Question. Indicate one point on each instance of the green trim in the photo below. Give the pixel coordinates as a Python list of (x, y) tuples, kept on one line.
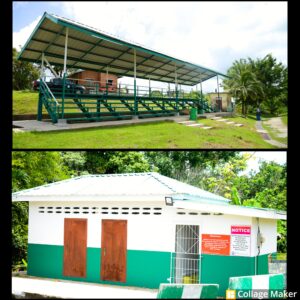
[(262, 264), (51, 18), (219, 268), (144, 268)]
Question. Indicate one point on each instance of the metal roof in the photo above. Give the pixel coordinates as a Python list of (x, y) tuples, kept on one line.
[(140, 187), (92, 49), (109, 187), (238, 210)]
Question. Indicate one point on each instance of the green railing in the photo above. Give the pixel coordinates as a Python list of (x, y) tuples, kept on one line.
[(48, 99), (94, 101)]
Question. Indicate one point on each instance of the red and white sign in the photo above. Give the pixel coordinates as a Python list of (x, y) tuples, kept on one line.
[(240, 229), (216, 244), (240, 240)]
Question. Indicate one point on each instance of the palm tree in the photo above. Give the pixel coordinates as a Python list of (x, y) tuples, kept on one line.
[(243, 84)]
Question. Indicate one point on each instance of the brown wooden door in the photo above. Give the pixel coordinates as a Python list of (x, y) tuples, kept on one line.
[(75, 244), (113, 250)]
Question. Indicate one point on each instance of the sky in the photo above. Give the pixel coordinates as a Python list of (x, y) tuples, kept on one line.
[(279, 157), (211, 34)]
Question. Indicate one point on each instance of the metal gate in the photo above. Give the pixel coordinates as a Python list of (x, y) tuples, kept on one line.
[(185, 261)]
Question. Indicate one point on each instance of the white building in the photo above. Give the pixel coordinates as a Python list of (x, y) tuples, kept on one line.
[(143, 229)]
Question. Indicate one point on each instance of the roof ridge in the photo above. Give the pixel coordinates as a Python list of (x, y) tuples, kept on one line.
[(159, 175)]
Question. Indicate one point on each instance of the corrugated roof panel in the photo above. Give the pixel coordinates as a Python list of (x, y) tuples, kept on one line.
[(83, 38)]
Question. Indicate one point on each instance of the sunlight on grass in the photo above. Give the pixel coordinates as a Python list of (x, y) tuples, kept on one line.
[(151, 136)]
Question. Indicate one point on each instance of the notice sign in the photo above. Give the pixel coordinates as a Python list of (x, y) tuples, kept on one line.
[(215, 244), (240, 240)]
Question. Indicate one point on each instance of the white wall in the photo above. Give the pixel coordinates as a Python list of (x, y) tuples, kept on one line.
[(145, 232), (268, 229)]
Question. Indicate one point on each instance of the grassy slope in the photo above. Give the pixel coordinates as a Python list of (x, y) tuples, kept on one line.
[(25, 102), (158, 135)]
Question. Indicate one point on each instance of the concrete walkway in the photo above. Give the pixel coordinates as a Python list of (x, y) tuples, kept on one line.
[(277, 124), (72, 289), (267, 137), (33, 125)]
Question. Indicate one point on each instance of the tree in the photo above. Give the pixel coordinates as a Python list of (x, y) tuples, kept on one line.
[(273, 78), (243, 85), (186, 165), (23, 73), (101, 162), (30, 169)]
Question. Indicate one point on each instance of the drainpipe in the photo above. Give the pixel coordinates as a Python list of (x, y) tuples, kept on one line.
[(258, 247)]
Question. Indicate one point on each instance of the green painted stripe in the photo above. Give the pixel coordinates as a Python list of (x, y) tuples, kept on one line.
[(226, 266), (144, 268)]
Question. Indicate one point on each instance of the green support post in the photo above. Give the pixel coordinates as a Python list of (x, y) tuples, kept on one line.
[(40, 108), (63, 97), (135, 100), (98, 107), (176, 93)]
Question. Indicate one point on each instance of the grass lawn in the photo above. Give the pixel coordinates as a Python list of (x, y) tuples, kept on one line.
[(25, 102), (151, 136)]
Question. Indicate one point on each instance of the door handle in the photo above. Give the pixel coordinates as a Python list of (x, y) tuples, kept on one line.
[(104, 251)]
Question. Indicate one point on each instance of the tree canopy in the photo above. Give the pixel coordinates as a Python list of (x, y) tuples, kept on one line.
[(23, 73), (258, 83)]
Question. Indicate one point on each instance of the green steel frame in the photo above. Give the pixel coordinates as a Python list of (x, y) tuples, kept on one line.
[(91, 49), (74, 106)]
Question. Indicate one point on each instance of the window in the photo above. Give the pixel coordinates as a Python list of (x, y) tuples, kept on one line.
[(109, 82)]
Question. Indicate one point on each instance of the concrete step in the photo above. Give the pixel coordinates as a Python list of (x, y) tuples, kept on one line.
[(222, 120), (206, 127), (186, 122), (195, 125), (238, 125), (230, 122), (216, 118)]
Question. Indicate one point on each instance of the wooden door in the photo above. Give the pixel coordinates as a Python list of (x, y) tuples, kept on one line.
[(113, 250), (75, 244)]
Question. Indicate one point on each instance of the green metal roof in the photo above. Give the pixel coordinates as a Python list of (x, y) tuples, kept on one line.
[(92, 49)]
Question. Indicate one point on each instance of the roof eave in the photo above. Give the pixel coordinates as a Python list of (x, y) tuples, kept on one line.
[(232, 210), (94, 33)]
